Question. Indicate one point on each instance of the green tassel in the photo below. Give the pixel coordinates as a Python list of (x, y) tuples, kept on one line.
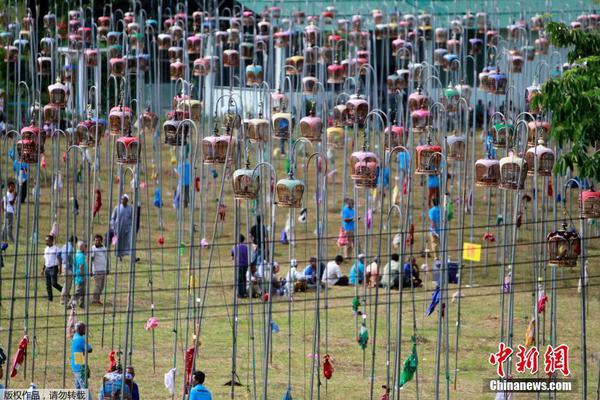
[(287, 166), (363, 336), (450, 211), (499, 219), (355, 304), (181, 249), (79, 176), (409, 367)]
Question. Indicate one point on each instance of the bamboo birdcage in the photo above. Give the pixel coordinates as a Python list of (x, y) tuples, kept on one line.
[(564, 247), (290, 192), (364, 169), (128, 150)]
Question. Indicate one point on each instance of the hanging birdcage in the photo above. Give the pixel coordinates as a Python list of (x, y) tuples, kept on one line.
[(218, 149), (254, 74), (165, 41), (341, 116), (290, 192), (46, 46), (309, 85), (501, 133), (513, 172), (537, 23), (475, 46), (515, 62), (128, 150), (538, 130), (359, 39), (115, 51), (264, 28), (487, 173), (175, 53), (497, 83), (335, 137), (44, 65), (117, 66), (456, 26), (282, 39), (419, 119), (231, 58), (113, 38), (543, 157), (438, 56), (450, 62), (149, 122), (564, 247), (311, 127), (294, 65), (247, 51), (282, 125), (31, 142), (484, 77), (428, 159), (85, 33), (261, 43), (492, 38), (89, 132), (364, 169), (530, 93), (257, 129), (453, 45), (51, 113), (75, 42), (441, 37), (192, 106), (417, 100), (299, 17), (464, 91), (358, 108), (381, 31), (176, 131), (233, 35), (194, 45), (589, 204), (457, 148), (450, 98), (542, 45), (58, 94), (335, 74), (201, 67), (245, 184), (91, 57), (279, 101), (176, 70), (119, 120), (394, 136), (356, 22), (398, 46), (528, 52)]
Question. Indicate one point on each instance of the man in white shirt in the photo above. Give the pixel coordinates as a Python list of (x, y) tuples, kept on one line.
[(8, 206), (51, 266), (99, 268), (333, 273)]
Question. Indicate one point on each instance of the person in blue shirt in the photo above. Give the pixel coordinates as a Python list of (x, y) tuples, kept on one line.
[(433, 188), (135, 391), (434, 231), (184, 172), (199, 392), (21, 170), (348, 216), (403, 161), (78, 356), (79, 275), (357, 272)]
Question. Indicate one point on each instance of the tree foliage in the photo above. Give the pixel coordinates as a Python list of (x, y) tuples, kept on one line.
[(573, 99)]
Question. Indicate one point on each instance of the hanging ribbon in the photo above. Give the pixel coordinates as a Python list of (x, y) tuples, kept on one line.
[(355, 304), (435, 299), (363, 334), (97, 202), (112, 361), (19, 356), (409, 368), (327, 367)]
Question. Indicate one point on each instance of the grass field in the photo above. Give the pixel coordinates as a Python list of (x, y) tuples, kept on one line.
[(480, 307)]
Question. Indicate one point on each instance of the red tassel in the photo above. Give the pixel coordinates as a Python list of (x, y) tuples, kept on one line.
[(189, 361), (19, 356), (327, 367), (197, 184), (550, 189), (113, 362)]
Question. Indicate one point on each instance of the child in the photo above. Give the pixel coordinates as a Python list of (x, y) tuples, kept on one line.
[(8, 206)]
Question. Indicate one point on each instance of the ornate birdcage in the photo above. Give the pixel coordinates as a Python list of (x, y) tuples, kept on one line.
[(364, 169), (231, 58), (247, 51), (589, 204), (279, 101), (115, 51), (564, 247), (358, 108), (335, 137), (245, 183), (515, 62), (117, 66), (290, 192), (501, 133), (282, 125), (441, 37), (513, 172), (192, 106), (492, 37), (457, 148), (31, 142), (419, 119), (58, 94), (119, 120), (257, 129), (176, 70), (218, 149), (91, 57), (233, 35), (46, 46), (398, 46), (85, 33), (51, 113), (165, 41), (261, 43), (194, 45), (450, 62), (149, 122), (451, 98), (201, 67), (175, 130), (497, 83), (537, 23), (475, 46), (254, 74), (530, 93), (416, 72), (89, 132), (113, 38), (128, 150), (335, 74), (464, 91), (394, 136), (484, 77), (299, 17), (428, 159), (417, 100), (175, 53), (282, 39), (542, 45), (381, 31), (538, 130), (75, 42), (264, 28), (438, 56), (456, 26), (311, 127), (528, 52), (487, 173), (294, 65), (44, 65), (309, 85), (541, 156), (453, 45), (341, 116)]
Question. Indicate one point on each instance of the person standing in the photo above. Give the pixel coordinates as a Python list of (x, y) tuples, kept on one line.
[(51, 266), (199, 392), (67, 261), (434, 231), (79, 275), (21, 170), (78, 350), (433, 189), (8, 206), (240, 256), (99, 268), (120, 223), (348, 226)]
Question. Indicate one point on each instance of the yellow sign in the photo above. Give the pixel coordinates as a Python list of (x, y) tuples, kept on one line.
[(472, 251), (79, 359)]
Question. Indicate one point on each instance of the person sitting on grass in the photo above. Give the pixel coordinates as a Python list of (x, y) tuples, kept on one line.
[(357, 272), (333, 274)]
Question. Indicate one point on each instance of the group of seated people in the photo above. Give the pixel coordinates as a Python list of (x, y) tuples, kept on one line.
[(260, 279)]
